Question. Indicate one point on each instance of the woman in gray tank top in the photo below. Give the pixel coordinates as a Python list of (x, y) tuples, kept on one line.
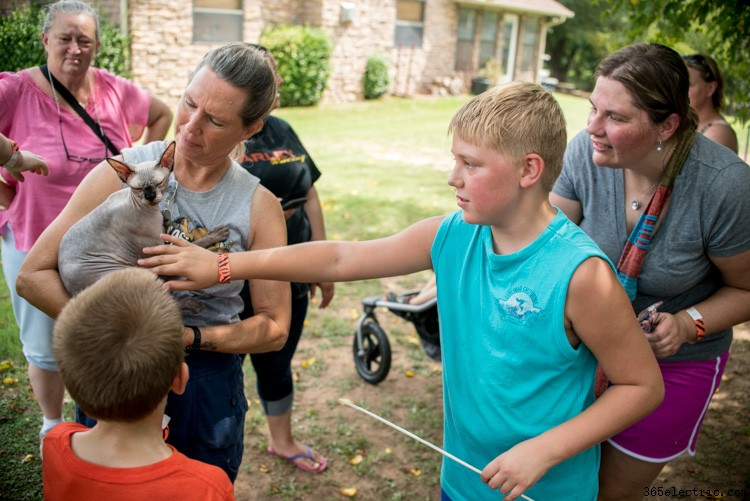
[(226, 99)]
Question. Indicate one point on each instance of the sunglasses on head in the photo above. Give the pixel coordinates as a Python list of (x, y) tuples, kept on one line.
[(699, 61)]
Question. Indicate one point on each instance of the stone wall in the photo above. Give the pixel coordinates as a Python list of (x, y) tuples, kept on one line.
[(163, 52), (373, 33), (369, 34)]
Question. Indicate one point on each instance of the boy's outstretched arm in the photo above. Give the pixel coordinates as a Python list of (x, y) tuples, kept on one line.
[(325, 261), (599, 314)]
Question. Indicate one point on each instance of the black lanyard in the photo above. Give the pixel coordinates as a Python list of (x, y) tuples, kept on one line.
[(72, 101)]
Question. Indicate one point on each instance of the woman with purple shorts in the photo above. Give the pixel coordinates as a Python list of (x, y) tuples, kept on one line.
[(670, 206)]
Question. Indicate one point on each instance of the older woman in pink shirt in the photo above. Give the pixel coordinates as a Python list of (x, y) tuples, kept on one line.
[(37, 118)]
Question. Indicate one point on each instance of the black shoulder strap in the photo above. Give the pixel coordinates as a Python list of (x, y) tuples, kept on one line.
[(72, 101)]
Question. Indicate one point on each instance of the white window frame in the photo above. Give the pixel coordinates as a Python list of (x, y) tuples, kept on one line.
[(237, 13), (411, 24)]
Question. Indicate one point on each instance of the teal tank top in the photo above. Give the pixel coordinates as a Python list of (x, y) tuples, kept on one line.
[(509, 372)]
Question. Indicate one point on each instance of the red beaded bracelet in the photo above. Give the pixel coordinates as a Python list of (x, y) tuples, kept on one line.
[(225, 275)]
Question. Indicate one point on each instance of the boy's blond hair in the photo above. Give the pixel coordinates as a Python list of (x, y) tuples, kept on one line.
[(516, 119), (118, 345)]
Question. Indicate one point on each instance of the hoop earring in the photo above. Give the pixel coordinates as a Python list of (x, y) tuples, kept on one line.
[(659, 147)]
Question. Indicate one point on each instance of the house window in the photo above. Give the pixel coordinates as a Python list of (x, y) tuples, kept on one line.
[(409, 23), (472, 52), (488, 37), (217, 20), (527, 64), (467, 19), (508, 45)]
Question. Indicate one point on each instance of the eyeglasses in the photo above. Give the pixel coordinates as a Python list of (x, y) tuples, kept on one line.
[(76, 158), (703, 64)]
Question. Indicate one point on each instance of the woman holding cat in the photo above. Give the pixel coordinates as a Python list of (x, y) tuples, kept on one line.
[(225, 102), (33, 108)]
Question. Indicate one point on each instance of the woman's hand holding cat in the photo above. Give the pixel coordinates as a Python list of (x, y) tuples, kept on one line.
[(178, 257)]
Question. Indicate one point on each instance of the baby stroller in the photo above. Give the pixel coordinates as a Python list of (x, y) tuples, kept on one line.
[(371, 348)]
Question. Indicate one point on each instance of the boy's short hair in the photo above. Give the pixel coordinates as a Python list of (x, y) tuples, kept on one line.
[(118, 345), (516, 119)]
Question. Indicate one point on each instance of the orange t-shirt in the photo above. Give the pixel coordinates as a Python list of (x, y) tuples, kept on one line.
[(177, 478)]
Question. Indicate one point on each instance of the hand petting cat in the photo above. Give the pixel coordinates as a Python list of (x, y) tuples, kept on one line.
[(178, 257)]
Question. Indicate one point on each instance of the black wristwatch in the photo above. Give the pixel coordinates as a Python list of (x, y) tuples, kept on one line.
[(196, 346)]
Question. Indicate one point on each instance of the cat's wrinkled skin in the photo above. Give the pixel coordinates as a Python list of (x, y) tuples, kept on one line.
[(113, 235)]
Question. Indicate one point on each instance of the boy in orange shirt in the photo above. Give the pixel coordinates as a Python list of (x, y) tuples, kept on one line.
[(119, 349)]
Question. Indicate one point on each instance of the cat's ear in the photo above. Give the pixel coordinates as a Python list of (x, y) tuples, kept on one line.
[(167, 158), (123, 171)]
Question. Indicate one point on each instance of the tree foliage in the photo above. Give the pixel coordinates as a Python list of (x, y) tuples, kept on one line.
[(719, 28), (576, 46)]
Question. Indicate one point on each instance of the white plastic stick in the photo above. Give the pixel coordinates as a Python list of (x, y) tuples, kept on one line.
[(418, 439)]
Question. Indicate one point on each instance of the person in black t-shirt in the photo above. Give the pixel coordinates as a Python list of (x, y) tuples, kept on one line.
[(277, 157)]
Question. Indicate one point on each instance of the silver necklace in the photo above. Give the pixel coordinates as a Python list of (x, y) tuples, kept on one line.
[(636, 203)]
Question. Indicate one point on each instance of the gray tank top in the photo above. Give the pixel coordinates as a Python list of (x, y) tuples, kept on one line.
[(191, 214)]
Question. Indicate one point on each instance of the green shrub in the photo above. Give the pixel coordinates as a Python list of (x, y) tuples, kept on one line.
[(114, 51), (302, 58), (21, 42), (376, 77), (20, 38)]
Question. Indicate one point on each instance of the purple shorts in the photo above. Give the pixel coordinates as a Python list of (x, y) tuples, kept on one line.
[(674, 426)]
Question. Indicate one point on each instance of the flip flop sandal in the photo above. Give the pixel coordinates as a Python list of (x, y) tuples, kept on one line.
[(302, 465)]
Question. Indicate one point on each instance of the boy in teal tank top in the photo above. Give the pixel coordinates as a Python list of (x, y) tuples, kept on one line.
[(527, 304)]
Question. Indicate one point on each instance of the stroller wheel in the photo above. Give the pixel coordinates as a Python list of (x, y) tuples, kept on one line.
[(373, 360)]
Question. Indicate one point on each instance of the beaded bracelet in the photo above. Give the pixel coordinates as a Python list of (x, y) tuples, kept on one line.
[(225, 275)]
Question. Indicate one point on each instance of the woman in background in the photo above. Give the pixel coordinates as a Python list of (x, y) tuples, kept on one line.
[(277, 157), (707, 99)]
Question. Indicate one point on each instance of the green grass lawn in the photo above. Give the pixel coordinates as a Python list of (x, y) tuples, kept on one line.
[(385, 165)]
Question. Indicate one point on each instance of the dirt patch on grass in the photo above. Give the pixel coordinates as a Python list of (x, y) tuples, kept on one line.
[(393, 466)]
